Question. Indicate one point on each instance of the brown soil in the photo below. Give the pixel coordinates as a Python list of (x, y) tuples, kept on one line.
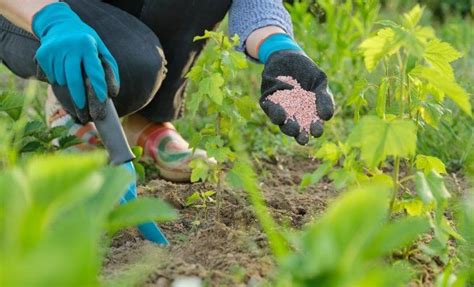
[(229, 250)]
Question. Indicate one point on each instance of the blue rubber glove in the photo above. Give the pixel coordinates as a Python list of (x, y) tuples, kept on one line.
[(72, 54), (149, 230)]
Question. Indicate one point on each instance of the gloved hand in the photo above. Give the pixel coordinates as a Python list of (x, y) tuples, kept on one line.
[(72, 54), (149, 230), (283, 57)]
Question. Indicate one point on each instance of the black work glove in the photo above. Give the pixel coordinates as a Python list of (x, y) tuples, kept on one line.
[(300, 67)]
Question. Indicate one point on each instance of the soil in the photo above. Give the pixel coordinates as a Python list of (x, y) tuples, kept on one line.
[(227, 247), (225, 250)]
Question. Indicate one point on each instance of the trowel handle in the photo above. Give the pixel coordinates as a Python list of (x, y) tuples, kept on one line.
[(113, 137)]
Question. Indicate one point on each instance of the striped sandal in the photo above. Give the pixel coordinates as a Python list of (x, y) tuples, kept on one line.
[(165, 147)]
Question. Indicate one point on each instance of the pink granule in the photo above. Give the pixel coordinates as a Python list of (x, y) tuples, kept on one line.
[(299, 104)]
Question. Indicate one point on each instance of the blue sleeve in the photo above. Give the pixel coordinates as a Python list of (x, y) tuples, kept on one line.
[(246, 16)]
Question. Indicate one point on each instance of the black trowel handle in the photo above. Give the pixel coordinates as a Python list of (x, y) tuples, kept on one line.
[(113, 137)]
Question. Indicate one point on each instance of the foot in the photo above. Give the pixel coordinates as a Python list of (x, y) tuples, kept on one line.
[(165, 147), (56, 116)]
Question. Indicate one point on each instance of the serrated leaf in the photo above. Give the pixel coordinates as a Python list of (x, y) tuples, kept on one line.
[(34, 127), (429, 163), (452, 89), (246, 106), (379, 138), (440, 55), (139, 211), (195, 74), (379, 46), (328, 152), (200, 170), (211, 86), (193, 199), (413, 207), (32, 146), (69, 141), (58, 131), (412, 18)]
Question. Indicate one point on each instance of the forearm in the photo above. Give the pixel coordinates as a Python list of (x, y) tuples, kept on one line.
[(21, 12), (255, 20), (258, 36)]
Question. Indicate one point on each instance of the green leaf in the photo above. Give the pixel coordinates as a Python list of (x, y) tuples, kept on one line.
[(12, 104), (34, 127), (379, 138), (431, 188), (139, 211), (246, 106), (448, 86), (58, 178), (195, 74), (137, 151), (438, 189), (412, 18), (440, 55), (379, 46), (32, 146), (423, 188), (381, 101), (342, 178), (193, 199), (413, 207), (200, 170), (58, 131), (69, 141), (339, 236), (329, 152), (208, 193), (211, 86), (429, 163), (397, 235), (316, 176)]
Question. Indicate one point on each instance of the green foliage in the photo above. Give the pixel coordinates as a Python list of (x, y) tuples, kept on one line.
[(200, 199), (346, 246), (53, 214), (137, 163), (28, 134), (378, 138), (424, 61)]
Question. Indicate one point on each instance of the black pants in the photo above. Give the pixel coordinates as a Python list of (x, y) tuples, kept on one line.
[(135, 32)]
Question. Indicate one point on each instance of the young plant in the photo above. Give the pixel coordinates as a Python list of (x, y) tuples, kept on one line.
[(351, 243), (28, 132), (201, 200), (55, 210), (224, 104), (416, 78)]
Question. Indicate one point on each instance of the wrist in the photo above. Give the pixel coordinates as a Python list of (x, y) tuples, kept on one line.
[(256, 38), (50, 15), (275, 43)]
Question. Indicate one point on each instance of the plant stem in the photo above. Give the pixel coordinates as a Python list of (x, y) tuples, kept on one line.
[(396, 172), (219, 171), (402, 68)]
